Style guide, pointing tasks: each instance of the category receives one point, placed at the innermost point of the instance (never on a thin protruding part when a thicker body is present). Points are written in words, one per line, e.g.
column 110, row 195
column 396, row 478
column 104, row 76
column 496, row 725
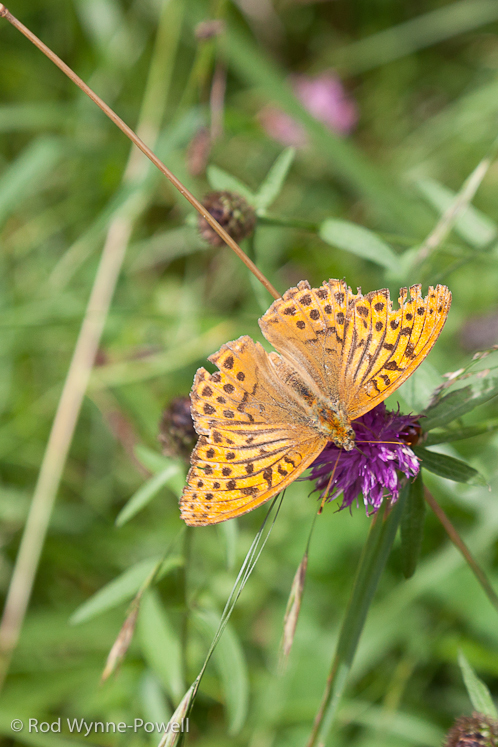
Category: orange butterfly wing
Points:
column 307, row 327
column 356, row 348
column 384, row 347
column 254, row 436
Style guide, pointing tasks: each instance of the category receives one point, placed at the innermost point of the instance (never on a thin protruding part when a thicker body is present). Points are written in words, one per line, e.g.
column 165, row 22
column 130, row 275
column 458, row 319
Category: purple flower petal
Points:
column 372, row 468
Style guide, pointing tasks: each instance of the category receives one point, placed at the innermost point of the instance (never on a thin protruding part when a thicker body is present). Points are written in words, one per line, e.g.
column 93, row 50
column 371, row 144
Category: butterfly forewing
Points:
column 254, row 441
column 307, row 326
column 387, row 346
column 356, row 348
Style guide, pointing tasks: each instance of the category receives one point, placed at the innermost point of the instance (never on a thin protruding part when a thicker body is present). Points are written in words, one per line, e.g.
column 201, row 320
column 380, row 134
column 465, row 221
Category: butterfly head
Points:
column 336, row 427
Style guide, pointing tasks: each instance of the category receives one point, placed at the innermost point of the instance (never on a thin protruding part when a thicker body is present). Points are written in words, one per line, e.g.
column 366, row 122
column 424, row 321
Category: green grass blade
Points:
column 373, row 559
column 449, row 467
column 412, row 526
column 146, row 493
column 247, row 568
column 230, row 661
column 274, row 180
column 360, row 241
column 122, row 588
column 472, row 225
column 229, row 535
column 153, row 460
column 421, row 32
column 160, row 644
column 479, row 695
column 28, row 172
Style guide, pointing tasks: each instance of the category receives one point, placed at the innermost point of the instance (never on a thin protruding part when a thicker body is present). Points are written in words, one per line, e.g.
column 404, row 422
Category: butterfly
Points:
column 263, row 418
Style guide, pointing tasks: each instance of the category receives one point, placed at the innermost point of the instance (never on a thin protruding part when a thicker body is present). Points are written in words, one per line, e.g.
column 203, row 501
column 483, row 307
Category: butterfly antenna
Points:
column 327, row 489
column 375, row 442
column 399, row 443
column 367, row 428
column 358, row 448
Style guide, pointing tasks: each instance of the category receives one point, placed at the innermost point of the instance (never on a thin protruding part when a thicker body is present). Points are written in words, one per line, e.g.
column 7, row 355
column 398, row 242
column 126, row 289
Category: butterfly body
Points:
column 323, row 415
column 263, row 418
column 335, row 427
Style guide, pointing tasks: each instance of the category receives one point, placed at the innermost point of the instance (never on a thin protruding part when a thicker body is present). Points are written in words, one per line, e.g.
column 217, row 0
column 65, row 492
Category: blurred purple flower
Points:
column 325, row 99
column 282, row 127
column 371, row 469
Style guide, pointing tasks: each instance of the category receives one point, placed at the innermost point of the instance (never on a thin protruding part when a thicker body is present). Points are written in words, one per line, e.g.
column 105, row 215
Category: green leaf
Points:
column 229, row 534
column 449, row 467
column 221, row 180
column 274, row 181
column 122, row 588
column 160, row 644
column 153, row 460
column 231, row 664
column 458, row 434
column 473, row 226
column 358, row 240
column 457, row 403
column 412, row 526
column 146, row 493
column 27, row 173
column 178, row 356
column 375, row 552
column 34, row 739
column 35, row 116
column 153, row 699
column 479, row 695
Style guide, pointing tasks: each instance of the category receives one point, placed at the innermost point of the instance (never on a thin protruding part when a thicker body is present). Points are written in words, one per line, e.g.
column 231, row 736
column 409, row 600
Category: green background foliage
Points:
column 424, row 77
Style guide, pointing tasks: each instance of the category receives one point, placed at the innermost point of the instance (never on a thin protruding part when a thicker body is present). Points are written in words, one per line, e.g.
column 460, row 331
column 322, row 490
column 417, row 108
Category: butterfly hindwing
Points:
column 226, row 486
column 253, row 437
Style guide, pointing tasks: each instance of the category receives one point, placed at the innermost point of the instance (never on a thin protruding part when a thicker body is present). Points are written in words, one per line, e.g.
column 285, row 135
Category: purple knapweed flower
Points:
column 371, row 469
column 325, row 99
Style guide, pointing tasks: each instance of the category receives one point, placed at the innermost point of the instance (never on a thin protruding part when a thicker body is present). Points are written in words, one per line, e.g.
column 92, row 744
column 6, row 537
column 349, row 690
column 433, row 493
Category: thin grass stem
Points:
column 268, row 219
column 462, row 547
column 143, row 147
column 246, row 569
column 460, row 203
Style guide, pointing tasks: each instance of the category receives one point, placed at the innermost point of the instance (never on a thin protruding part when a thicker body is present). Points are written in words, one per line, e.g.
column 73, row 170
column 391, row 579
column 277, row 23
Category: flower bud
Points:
column 176, row 429
column 209, row 29
column 122, row 642
column 411, row 434
column 233, row 213
column 198, row 152
column 477, row 730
